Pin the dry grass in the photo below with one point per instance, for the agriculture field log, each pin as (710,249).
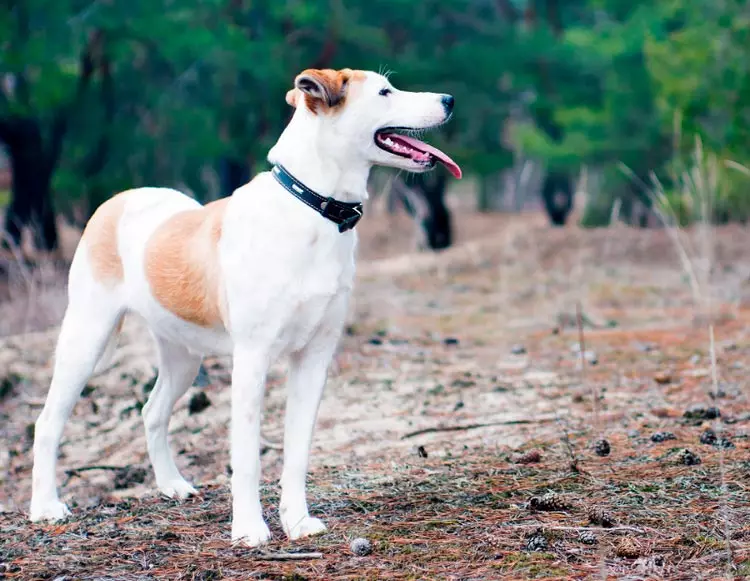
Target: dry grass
(461,518)
(430,350)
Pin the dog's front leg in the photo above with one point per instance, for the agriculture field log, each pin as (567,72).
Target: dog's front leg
(248,380)
(307,378)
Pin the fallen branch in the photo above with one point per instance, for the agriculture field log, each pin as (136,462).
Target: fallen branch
(593,529)
(74,471)
(472,427)
(287,556)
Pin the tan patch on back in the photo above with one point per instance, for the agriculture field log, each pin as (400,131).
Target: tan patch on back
(100,237)
(336,84)
(182,265)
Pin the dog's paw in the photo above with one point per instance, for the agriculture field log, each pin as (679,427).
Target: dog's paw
(251,535)
(177,489)
(48,511)
(304,527)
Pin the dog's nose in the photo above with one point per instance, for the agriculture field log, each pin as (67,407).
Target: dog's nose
(447,101)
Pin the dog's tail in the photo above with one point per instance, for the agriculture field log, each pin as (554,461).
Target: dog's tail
(109,350)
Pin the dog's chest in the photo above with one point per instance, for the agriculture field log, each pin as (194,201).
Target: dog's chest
(326,279)
(285,268)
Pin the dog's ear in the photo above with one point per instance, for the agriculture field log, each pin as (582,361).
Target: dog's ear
(324,87)
(292,95)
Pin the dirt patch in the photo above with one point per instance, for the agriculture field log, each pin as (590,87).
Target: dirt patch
(458,395)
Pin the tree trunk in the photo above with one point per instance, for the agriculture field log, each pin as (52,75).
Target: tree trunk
(437,224)
(31,192)
(233,173)
(557,193)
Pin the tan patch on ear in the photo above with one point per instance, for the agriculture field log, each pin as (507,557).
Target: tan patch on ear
(100,237)
(335,84)
(182,265)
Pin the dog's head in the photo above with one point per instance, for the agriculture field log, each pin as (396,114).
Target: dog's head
(361,114)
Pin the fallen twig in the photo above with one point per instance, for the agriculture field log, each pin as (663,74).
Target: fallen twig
(74,471)
(594,529)
(288,556)
(473,427)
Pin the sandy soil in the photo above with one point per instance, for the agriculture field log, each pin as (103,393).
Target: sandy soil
(475,347)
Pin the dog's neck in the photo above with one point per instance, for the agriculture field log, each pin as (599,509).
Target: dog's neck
(305,151)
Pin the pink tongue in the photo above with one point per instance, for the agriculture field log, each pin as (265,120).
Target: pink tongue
(422,146)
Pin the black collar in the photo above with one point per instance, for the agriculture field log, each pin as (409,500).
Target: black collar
(345,214)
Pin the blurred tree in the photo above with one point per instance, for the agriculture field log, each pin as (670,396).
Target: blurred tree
(102,96)
(43,83)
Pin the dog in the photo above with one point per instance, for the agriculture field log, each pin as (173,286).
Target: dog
(264,273)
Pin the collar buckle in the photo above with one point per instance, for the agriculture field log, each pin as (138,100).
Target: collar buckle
(351,221)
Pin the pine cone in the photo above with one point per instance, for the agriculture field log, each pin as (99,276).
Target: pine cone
(628,549)
(689,458)
(549,502)
(530,457)
(662,437)
(599,516)
(708,437)
(602,448)
(537,542)
(587,537)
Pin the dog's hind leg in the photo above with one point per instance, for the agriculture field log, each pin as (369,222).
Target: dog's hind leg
(177,370)
(89,321)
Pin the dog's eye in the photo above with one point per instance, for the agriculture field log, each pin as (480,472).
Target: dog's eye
(385,91)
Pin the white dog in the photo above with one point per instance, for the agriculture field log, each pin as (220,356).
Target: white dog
(264,273)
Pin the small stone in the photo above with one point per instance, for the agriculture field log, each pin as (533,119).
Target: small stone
(450,341)
(695,359)
(689,458)
(537,542)
(458,406)
(375,341)
(708,437)
(600,517)
(662,436)
(518,349)
(699,412)
(198,403)
(361,547)
(421,452)
(602,448)
(663,377)
(587,537)
(591,357)
(628,549)
(549,502)
(530,457)
(646,347)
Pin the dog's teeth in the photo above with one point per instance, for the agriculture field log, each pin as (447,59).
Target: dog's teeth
(388,141)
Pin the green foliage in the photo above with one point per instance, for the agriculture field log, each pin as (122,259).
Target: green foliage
(585,82)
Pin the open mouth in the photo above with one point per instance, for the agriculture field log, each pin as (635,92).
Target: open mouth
(392,140)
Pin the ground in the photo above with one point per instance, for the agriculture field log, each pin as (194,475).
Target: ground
(459,400)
